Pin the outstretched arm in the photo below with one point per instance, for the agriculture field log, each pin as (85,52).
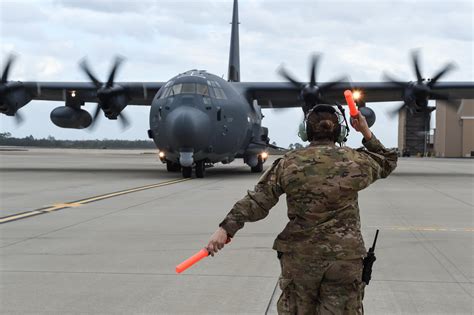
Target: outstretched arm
(254,206)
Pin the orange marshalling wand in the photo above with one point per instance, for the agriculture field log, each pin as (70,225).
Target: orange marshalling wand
(203,253)
(350,102)
(192,260)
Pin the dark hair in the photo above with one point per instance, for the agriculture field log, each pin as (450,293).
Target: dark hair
(322,126)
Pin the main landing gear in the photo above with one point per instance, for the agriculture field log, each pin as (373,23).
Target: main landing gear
(200,169)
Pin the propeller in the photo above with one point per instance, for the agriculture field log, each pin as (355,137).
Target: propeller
(6,69)
(12,94)
(312,92)
(417,94)
(113,98)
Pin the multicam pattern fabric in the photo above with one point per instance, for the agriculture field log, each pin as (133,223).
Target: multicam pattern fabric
(321,183)
(312,286)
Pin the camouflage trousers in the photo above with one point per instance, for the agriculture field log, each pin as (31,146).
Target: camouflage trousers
(312,286)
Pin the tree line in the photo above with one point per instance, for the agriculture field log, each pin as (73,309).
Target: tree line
(6,139)
(50,142)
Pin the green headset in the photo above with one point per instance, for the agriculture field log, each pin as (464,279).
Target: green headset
(342,130)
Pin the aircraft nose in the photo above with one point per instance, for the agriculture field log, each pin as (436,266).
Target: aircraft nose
(188,128)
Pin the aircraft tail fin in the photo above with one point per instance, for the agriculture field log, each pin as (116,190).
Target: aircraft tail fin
(234,55)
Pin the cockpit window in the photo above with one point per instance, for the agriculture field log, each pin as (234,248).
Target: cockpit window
(220,95)
(202,89)
(213,89)
(188,88)
(176,89)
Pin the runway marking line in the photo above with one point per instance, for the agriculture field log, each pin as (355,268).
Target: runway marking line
(78,203)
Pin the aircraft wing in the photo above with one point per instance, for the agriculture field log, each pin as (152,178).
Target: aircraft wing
(284,95)
(140,93)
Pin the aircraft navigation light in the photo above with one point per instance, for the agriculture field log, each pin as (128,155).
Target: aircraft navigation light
(264,155)
(356,94)
(161,154)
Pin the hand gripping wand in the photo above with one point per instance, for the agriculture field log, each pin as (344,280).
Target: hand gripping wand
(369,261)
(203,253)
(350,102)
(354,111)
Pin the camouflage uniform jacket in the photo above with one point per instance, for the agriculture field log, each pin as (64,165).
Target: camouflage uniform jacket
(321,183)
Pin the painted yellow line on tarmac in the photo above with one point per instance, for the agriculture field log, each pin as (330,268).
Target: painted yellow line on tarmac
(78,203)
(19,216)
(424,228)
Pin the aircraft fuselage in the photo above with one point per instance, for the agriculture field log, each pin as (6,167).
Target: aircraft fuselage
(198,116)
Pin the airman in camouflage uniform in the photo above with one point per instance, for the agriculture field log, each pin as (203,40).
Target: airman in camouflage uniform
(321,247)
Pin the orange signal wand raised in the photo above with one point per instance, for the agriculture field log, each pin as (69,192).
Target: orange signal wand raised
(350,102)
(203,253)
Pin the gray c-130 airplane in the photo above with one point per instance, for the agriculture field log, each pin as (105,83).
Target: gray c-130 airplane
(198,118)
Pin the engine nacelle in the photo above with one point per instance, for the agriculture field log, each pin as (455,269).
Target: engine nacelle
(69,117)
(13,96)
(369,115)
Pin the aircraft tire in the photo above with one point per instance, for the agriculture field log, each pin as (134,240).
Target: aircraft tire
(257,168)
(172,167)
(187,172)
(200,169)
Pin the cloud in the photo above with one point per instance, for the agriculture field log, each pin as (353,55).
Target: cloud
(105,6)
(49,66)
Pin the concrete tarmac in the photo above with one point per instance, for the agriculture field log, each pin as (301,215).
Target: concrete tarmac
(116,253)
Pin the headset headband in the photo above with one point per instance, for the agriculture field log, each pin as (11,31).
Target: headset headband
(343,125)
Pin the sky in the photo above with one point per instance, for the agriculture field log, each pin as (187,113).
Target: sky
(160,39)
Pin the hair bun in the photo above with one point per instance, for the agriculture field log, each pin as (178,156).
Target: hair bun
(326,125)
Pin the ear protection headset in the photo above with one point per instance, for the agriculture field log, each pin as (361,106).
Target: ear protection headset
(342,130)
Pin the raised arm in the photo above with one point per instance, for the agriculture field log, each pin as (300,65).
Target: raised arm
(379,161)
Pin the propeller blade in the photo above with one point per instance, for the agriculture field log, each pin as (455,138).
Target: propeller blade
(125,122)
(389,78)
(329,85)
(6,69)
(450,66)
(96,113)
(393,113)
(416,65)
(314,68)
(19,118)
(285,74)
(117,63)
(85,67)
(95,118)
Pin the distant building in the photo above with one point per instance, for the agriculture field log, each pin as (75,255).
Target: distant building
(454,133)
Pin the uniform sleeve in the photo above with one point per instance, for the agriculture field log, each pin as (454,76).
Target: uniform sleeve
(380,161)
(256,204)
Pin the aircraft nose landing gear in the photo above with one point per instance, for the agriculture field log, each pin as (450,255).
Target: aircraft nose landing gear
(258,168)
(199,169)
(187,171)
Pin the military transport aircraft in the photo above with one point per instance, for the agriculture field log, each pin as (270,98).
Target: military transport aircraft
(198,118)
